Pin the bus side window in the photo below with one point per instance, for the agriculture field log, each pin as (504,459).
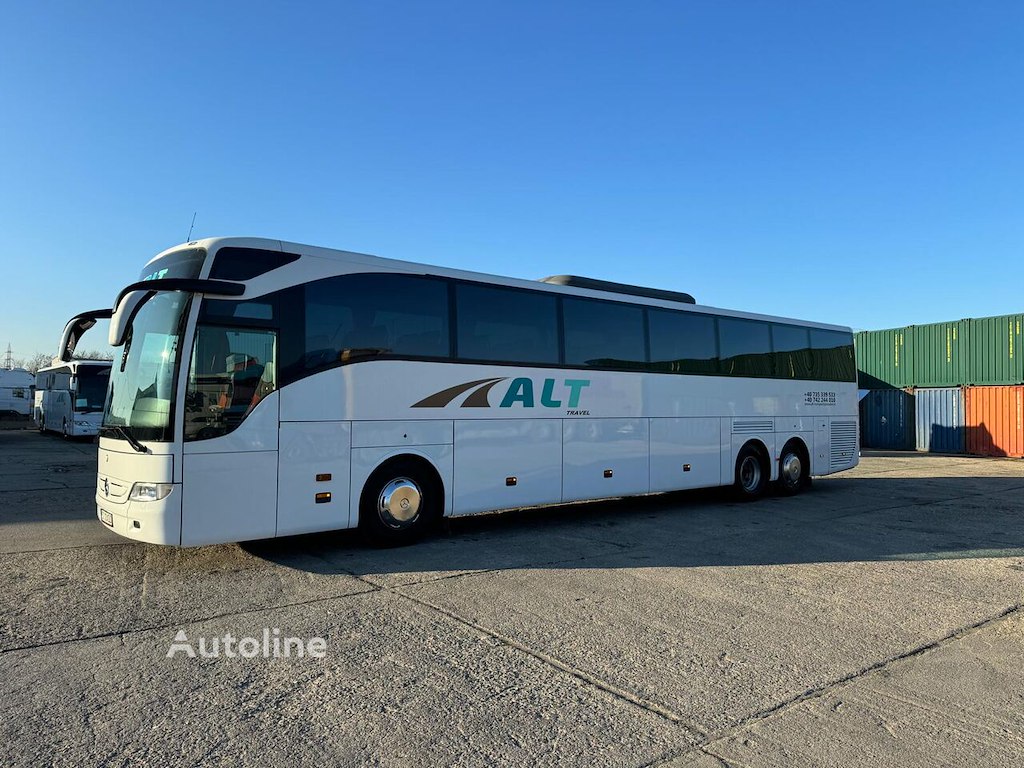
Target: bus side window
(745,346)
(682,342)
(792,346)
(356,317)
(603,335)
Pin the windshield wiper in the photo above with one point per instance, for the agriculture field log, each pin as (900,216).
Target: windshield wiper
(124,433)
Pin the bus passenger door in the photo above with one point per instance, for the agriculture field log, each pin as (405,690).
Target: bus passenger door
(230,482)
(232,418)
(313,476)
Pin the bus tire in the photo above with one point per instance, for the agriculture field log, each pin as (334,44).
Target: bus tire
(402,499)
(794,468)
(751,473)
(42,425)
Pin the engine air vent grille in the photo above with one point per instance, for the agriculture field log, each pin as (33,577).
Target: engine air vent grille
(752,426)
(843,444)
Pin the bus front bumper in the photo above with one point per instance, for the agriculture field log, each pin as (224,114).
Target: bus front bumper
(154,522)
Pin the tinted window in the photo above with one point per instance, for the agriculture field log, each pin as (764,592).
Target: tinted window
(682,342)
(833,355)
(792,346)
(506,325)
(357,317)
(745,347)
(184,263)
(222,309)
(246,263)
(603,335)
(92,388)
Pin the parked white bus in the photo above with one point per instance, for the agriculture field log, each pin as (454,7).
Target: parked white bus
(69,397)
(16,385)
(267,389)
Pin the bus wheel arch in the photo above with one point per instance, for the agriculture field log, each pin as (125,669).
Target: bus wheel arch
(752,471)
(794,467)
(401,500)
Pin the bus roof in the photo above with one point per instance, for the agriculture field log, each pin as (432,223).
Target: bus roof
(73,364)
(366,262)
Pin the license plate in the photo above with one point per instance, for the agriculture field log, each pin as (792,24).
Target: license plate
(107,518)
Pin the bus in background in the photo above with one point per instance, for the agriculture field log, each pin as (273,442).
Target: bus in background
(16,385)
(268,389)
(69,397)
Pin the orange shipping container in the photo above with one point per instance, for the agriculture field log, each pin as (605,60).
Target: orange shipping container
(995,421)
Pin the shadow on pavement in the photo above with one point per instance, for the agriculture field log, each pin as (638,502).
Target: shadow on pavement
(839,520)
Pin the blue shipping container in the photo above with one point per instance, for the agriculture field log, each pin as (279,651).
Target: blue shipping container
(941,419)
(887,420)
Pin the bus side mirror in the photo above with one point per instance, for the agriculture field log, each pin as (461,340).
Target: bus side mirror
(123,315)
(75,329)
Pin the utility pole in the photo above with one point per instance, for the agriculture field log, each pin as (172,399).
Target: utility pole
(8,360)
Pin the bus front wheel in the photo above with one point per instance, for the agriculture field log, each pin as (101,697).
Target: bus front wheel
(400,502)
(751,473)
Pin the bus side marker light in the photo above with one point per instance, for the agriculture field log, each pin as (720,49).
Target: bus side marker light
(510,481)
(686,467)
(323,478)
(607,473)
(323,498)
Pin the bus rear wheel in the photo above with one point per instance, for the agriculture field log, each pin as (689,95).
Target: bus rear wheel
(751,474)
(794,469)
(400,502)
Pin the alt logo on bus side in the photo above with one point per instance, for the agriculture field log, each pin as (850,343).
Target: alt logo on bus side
(553,394)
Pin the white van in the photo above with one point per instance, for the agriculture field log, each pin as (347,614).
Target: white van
(16,392)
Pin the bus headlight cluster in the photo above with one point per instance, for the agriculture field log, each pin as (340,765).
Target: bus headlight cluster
(149,491)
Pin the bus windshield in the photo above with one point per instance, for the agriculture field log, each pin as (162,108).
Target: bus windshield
(140,398)
(92,388)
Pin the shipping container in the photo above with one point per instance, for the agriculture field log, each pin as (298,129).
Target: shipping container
(995,421)
(887,420)
(995,353)
(939,354)
(940,420)
(884,358)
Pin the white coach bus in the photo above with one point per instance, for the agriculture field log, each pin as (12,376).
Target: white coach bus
(69,397)
(267,389)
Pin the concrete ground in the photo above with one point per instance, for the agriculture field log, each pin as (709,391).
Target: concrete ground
(875,620)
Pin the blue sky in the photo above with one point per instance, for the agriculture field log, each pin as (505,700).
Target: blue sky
(858,163)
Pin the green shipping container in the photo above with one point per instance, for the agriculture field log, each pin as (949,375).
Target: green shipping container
(995,354)
(884,358)
(940,353)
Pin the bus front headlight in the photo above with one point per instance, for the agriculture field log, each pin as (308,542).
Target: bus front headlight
(149,491)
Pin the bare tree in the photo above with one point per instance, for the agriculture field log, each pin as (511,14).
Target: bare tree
(94,354)
(37,361)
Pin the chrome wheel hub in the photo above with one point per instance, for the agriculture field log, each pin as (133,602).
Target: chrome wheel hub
(792,468)
(399,502)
